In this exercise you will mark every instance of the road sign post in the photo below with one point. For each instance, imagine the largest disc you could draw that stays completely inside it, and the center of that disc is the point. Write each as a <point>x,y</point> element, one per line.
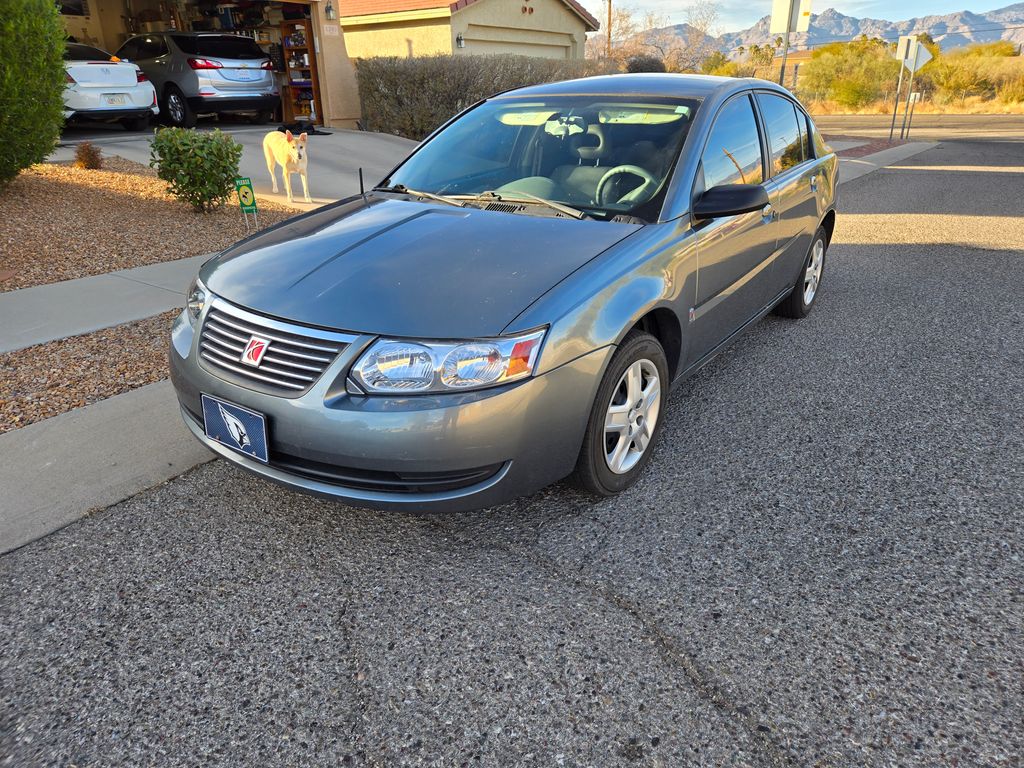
<point>789,16</point>
<point>918,58</point>
<point>247,201</point>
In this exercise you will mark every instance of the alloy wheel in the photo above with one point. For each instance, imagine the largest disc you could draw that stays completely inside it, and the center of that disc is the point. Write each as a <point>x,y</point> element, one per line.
<point>176,108</point>
<point>631,416</point>
<point>812,275</point>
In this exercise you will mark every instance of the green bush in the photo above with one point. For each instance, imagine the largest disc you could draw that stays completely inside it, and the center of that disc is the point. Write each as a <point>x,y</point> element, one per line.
<point>199,168</point>
<point>31,83</point>
<point>412,96</point>
<point>851,74</point>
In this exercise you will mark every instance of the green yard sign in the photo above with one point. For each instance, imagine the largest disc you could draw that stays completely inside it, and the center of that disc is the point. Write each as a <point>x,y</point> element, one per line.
<point>246,195</point>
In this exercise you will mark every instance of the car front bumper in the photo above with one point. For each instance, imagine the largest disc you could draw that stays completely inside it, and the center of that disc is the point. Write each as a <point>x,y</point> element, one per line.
<point>447,452</point>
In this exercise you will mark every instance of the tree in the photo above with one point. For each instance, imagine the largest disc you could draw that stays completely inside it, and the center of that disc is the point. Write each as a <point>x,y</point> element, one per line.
<point>645,63</point>
<point>31,83</point>
<point>649,34</point>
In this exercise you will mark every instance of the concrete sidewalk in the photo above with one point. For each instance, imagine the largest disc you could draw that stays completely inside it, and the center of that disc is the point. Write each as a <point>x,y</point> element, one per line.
<point>58,310</point>
<point>57,470</point>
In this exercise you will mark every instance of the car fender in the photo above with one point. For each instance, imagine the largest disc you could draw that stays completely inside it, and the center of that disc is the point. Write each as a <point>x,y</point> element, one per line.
<point>596,306</point>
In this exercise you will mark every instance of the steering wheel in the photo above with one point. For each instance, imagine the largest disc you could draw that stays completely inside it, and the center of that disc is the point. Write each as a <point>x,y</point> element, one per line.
<point>647,188</point>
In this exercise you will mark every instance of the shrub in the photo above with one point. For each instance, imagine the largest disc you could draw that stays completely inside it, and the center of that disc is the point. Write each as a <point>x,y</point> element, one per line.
<point>850,74</point>
<point>645,63</point>
<point>412,96</point>
<point>31,83</point>
<point>199,168</point>
<point>88,156</point>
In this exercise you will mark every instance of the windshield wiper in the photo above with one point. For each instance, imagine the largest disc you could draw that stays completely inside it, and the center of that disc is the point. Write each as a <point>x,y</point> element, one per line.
<point>526,197</point>
<point>404,190</point>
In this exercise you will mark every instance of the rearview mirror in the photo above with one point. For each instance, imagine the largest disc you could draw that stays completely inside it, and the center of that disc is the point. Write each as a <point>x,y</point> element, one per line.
<point>730,200</point>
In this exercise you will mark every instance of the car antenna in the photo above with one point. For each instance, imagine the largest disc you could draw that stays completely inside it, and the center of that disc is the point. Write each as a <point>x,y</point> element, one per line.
<point>361,190</point>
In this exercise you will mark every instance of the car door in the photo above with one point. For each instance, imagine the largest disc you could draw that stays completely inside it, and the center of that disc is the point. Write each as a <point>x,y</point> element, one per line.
<point>733,251</point>
<point>792,186</point>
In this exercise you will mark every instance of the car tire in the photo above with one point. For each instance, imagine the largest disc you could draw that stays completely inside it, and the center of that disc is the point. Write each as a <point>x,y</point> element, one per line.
<point>136,124</point>
<point>176,108</point>
<point>613,455</point>
<point>263,117</point>
<point>805,291</point>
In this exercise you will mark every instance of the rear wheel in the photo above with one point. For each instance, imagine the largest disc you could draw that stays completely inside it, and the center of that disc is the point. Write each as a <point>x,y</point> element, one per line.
<point>800,300</point>
<point>626,417</point>
<point>136,123</point>
<point>177,110</point>
<point>263,117</point>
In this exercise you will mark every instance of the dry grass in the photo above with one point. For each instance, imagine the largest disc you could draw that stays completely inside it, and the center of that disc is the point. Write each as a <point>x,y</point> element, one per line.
<point>47,379</point>
<point>974,105</point>
<point>58,222</point>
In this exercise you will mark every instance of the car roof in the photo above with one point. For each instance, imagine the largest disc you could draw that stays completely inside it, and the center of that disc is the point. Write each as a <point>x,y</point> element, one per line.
<point>646,84</point>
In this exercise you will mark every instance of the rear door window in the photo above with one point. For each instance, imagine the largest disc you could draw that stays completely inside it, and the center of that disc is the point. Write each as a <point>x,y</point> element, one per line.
<point>221,46</point>
<point>780,124</point>
<point>733,152</point>
<point>150,47</point>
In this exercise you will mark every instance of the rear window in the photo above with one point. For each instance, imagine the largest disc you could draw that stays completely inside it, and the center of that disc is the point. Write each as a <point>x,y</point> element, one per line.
<point>220,46</point>
<point>79,52</point>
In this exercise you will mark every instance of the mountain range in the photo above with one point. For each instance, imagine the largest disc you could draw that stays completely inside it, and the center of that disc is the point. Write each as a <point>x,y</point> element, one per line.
<point>951,30</point>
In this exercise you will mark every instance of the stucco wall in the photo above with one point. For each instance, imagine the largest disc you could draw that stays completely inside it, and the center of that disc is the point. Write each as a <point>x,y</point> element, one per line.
<point>403,38</point>
<point>501,26</point>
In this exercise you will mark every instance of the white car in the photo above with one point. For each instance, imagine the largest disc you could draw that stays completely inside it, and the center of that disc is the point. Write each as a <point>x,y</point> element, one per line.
<point>102,87</point>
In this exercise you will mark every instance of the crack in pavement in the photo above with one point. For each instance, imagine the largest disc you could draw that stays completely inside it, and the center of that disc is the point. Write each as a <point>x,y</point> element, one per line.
<point>772,754</point>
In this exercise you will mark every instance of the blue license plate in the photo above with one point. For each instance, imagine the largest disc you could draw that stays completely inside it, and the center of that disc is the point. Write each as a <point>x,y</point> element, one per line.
<point>236,427</point>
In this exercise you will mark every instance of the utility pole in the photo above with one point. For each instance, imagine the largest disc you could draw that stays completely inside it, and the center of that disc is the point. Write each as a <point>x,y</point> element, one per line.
<point>608,32</point>
<point>785,49</point>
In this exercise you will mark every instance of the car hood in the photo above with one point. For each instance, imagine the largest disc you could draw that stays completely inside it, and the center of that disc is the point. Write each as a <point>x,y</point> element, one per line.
<point>403,268</point>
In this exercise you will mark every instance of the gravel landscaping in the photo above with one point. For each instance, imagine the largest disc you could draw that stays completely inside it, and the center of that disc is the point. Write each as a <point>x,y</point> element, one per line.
<point>58,222</point>
<point>41,381</point>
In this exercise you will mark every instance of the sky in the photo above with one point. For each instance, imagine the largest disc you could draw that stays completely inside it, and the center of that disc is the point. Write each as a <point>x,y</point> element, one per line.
<point>734,15</point>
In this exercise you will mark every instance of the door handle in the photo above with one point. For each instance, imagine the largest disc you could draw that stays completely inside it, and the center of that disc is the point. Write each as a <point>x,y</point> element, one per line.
<point>814,182</point>
<point>768,211</point>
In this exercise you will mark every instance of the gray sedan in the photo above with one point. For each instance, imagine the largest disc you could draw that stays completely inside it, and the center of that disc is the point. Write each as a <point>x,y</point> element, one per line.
<point>512,304</point>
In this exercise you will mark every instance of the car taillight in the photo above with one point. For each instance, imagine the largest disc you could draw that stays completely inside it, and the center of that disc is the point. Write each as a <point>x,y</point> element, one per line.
<point>140,76</point>
<point>204,64</point>
<point>68,78</point>
<point>267,65</point>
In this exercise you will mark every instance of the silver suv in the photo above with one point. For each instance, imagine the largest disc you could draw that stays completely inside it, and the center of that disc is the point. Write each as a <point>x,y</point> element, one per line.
<point>205,73</point>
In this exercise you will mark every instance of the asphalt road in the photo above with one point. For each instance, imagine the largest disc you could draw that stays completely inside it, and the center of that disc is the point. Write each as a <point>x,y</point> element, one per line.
<point>822,566</point>
<point>927,127</point>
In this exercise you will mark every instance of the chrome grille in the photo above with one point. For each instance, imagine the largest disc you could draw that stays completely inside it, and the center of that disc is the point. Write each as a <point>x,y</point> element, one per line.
<point>295,358</point>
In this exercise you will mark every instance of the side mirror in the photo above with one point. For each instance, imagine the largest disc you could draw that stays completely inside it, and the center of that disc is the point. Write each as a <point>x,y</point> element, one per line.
<point>730,200</point>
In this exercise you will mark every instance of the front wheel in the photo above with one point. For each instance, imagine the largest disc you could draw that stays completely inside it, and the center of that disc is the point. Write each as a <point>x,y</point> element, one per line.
<point>626,417</point>
<point>800,300</point>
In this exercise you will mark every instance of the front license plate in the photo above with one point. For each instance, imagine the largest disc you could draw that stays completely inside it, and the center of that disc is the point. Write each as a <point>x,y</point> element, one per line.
<point>114,99</point>
<point>236,427</point>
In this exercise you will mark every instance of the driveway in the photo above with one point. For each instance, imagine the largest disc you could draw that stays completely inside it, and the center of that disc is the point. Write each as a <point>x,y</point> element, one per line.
<point>333,165</point>
<point>822,565</point>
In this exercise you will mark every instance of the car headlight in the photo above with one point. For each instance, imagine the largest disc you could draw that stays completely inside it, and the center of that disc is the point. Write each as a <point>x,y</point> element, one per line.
<point>197,297</point>
<point>403,366</point>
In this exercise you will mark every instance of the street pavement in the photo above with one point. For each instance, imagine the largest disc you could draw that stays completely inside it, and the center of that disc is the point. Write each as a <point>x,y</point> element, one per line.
<point>822,565</point>
<point>926,127</point>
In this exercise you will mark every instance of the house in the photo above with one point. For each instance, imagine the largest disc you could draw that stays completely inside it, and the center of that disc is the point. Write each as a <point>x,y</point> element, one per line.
<point>550,28</point>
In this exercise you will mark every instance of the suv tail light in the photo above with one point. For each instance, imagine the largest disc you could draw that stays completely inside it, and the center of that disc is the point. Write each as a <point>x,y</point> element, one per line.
<point>204,64</point>
<point>140,76</point>
<point>268,64</point>
<point>68,78</point>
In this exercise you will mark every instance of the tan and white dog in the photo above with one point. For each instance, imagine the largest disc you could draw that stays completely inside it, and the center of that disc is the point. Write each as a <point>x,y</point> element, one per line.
<point>290,153</point>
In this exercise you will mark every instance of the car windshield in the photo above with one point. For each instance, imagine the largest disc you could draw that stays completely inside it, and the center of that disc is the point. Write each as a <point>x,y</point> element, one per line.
<point>220,46</point>
<point>79,52</point>
<point>605,155</point>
